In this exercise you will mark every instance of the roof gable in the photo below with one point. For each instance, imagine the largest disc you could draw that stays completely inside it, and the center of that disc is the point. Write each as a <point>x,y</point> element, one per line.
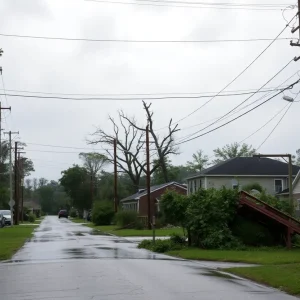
<point>153,188</point>
<point>248,166</point>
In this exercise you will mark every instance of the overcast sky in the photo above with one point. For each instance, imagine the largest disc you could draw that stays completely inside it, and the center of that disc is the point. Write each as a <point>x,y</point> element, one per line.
<point>78,67</point>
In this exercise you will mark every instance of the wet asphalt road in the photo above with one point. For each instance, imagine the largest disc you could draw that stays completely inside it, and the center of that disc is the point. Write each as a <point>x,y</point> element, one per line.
<point>65,260</point>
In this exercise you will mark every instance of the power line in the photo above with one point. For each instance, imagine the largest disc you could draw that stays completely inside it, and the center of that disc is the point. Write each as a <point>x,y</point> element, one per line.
<point>69,147</point>
<point>134,94</point>
<point>205,133</point>
<point>141,41</point>
<point>233,109</point>
<point>132,99</point>
<point>207,5</point>
<point>264,125</point>
<point>275,127</point>
<point>242,108</point>
<point>240,74</point>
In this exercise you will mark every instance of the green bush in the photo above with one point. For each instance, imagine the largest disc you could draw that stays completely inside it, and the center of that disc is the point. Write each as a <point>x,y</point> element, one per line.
<point>31,218</point>
<point>102,213</point>
<point>73,213</point>
<point>177,239</point>
<point>128,219</point>
<point>160,246</point>
<point>146,244</point>
<point>209,214</point>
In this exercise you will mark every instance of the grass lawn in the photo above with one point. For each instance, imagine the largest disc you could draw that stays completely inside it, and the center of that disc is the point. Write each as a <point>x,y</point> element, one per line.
<point>130,232</point>
<point>255,256</point>
<point>13,238</point>
<point>283,277</point>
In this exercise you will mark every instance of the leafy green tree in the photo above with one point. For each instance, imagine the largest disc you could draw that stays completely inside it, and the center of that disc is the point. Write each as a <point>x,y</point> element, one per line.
<point>174,208</point>
<point>93,162</point>
<point>199,162</point>
<point>76,183</point>
<point>28,167</point>
<point>46,193</point>
<point>233,150</point>
<point>158,176</point>
<point>105,186</point>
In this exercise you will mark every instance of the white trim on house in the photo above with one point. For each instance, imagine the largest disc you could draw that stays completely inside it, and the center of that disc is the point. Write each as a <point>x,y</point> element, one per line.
<point>132,206</point>
<point>205,182</point>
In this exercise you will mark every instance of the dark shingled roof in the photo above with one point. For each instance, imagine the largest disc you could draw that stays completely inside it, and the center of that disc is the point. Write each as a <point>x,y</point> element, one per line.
<point>251,166</point>
<point>152,188</point>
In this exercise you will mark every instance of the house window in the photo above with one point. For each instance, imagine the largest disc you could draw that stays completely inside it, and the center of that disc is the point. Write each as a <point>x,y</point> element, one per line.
<point>195,186</point>
<point>278,185</point>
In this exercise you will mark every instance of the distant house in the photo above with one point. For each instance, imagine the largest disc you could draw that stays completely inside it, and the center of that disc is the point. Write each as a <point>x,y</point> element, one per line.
<point>296,193</point>
<point>138,202</point>
<point>32,207</point>
<point>239,171</point>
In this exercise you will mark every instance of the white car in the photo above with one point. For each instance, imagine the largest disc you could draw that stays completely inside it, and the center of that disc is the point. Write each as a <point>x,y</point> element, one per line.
<point>2,220</point>
<point>6,215</point>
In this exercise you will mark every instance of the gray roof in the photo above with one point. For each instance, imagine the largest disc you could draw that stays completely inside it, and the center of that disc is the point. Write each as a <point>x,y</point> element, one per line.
<point>248,166</point>
<point>153,188</point>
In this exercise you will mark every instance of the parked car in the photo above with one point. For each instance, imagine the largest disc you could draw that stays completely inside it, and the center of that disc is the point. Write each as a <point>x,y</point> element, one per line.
<point>7,216</point>
<point>2,220</point>
<point>63,214</point>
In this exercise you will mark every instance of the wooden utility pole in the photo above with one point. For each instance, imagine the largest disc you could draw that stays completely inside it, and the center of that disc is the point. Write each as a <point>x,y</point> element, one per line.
<point>16,186</point>
<point>9,108</point>
<point>21,162</point>
<point>115,176</point>
<point>11,201</point>
<point>148,176</point>
<point>290,172</point>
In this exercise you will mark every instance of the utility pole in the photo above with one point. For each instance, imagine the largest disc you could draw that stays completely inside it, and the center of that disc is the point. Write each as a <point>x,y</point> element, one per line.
<point>16,185</point>
<point>19,179</point>
<point>21,165</point>
<point>11,201</point>
<point>148,177</point>
<point>290,172</point>
<point>115,176</point>
<point>9,108</point>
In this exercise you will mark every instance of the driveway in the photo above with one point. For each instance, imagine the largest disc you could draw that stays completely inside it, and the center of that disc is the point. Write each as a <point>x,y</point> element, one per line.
<point>65,260</point>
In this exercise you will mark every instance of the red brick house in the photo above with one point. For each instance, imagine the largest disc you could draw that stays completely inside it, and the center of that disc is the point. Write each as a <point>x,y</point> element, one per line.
<point>138,201</point>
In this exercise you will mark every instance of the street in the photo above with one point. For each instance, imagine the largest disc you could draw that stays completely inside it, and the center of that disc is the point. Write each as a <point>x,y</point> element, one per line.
<point>65,260</point>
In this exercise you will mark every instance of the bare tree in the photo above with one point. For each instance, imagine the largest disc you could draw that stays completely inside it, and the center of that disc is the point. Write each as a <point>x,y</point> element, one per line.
<point>129,154</point>
<point>164,146</point>
<point>128,148</point>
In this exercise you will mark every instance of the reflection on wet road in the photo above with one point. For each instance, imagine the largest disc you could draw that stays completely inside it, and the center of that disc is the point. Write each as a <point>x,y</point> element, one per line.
<point>65,260</point>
